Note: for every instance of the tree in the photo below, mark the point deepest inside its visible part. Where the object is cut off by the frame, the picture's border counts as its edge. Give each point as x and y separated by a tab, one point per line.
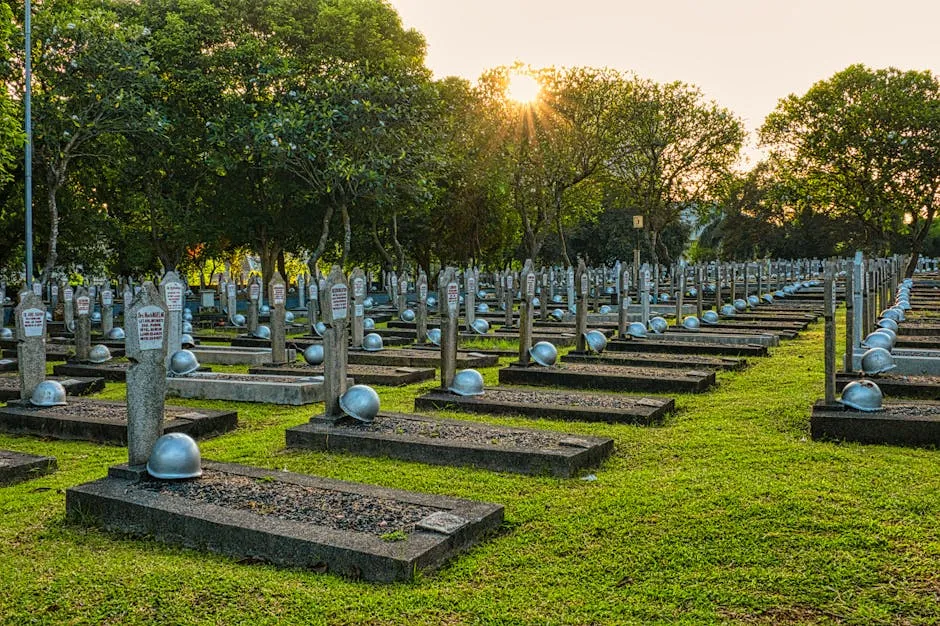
864	146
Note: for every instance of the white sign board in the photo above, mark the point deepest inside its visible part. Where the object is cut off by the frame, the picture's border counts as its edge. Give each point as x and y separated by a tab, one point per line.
359	287
254	291
150	324
173	295
68	293
313	292
359	310
278	294
82	305
34	321
339	301
423	292
530	285
230	290
453	298
585	284
37	288
107	297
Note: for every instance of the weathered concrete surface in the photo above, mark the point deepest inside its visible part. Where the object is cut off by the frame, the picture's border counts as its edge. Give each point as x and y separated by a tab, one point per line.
292	390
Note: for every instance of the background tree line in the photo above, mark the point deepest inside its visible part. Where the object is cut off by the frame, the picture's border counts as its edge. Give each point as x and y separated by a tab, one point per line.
172	133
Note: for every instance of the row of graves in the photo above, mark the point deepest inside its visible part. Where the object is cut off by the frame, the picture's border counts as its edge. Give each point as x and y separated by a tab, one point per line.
622	347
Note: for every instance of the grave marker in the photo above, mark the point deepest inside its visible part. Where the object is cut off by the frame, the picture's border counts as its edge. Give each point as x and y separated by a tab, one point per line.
301	291
644	288
173	289
623	319
334	302
313	303
82	323
358	281
470	313
277	294
231	298
570	288
254	297
107	309
450	297
146	322
30	335
583	288
68	307
510	297
421	316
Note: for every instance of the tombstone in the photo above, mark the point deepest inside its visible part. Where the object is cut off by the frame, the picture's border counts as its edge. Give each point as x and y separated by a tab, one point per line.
82	303
544	298
174	295
449	307
391	287
421	315
301	291
470	300
551	284
68	295
254	298
528	279
334	303
313	304
358	281
680	291
644	289
623	319
510	298
277	295
829	315
583	289
699	289
107	309
231	301
655	283
30	335
145	328
570	288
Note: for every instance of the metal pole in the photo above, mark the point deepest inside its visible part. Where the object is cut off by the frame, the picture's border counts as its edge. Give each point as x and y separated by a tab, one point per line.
28	101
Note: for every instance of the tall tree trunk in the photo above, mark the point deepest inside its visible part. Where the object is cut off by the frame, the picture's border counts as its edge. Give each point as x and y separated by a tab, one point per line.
282	265
52	254
918	241
321	244
561	237
399	250
386	257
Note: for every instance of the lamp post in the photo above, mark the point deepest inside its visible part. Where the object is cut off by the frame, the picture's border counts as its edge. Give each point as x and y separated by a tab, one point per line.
28	104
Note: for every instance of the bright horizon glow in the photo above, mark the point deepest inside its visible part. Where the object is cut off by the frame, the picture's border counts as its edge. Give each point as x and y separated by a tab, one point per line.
743	54
523	88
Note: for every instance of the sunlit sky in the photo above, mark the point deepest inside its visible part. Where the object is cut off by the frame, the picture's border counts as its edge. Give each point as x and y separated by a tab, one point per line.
745	54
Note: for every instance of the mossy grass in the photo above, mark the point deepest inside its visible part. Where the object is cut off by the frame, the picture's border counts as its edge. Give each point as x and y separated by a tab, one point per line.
728	512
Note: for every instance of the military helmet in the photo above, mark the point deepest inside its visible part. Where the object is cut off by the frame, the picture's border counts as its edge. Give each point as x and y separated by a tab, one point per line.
288	317
888	323
263	332
862	395
183	362
48	393
96	317
728	310
360	402
239	320
596	341
480	326
6	333
544	353
691	322
637	329
557	315
319	328
557	299
369	302
434	336
878	340
605	309
175	456
483	307
753	301
313	354
467	383
877	361
264	309
187	327
740	305
99	354
407	315
710	318
658	325
372	342
116	334
368	323
187	341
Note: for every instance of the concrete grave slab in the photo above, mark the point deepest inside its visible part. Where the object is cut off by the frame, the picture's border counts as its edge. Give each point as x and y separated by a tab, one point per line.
361	374
433	529
685	347
410	357
609	377
291	390
16	467
652	359
10	386
112	371
898	423
456	442
105	421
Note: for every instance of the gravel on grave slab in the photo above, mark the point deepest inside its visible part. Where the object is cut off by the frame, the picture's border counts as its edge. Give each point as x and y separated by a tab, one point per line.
561	398
653	357
339	510
10	382
910	409
98	411
473	433
248	378
902	378
317	370
618	370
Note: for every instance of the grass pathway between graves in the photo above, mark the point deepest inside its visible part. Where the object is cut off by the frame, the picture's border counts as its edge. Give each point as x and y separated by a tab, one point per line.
726	513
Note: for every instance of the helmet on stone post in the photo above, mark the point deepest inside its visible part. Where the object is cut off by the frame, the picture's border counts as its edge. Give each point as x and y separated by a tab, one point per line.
544	353
710	318
239	320
360	402
467	383
728	310
407	315
319	328
368	323
48	393
183	362
740	305
187	341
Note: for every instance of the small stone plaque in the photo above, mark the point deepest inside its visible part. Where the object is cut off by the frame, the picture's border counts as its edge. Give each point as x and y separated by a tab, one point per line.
34	321
585	285
359	310
313	292
107	297
403	285
359	287
423	292
37	288
82	305
150	324
278	294
509	281
453	297
339	301
254	291
230	290
68	293
472	283
574	442
530	285
173	293
442	522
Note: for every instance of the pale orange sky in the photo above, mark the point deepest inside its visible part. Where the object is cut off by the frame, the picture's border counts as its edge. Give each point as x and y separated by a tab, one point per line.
746	54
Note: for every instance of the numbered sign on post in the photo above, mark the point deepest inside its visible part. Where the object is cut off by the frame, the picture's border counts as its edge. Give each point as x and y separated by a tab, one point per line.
313	292
339	301
151	323
231	290
585	284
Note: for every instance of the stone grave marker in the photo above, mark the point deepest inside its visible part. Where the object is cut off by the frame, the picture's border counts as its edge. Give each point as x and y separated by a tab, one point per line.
644	289
231	299
623	307
421	315
449	298
391	286
277	294
699	289
544	299
510	293
402	294
174	295
470	299
570	288
254	297
301	291
127	295
313	303
146	323
583	288
680	293
107	309
525	312
82	323
829	315
358	281
334	303
68	306
30	335
551	283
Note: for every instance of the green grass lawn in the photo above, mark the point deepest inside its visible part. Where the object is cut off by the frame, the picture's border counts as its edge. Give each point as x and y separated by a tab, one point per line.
725	513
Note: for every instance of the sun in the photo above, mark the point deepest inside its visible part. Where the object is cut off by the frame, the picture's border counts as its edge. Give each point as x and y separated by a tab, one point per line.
523	88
